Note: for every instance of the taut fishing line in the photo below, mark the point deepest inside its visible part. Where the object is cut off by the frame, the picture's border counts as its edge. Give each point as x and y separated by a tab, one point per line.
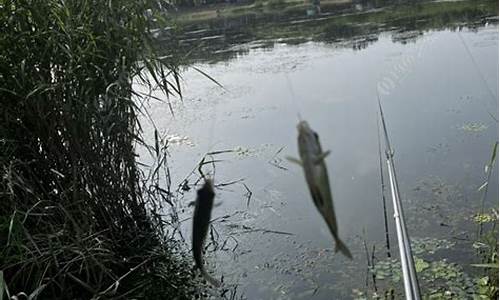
293	98
481	76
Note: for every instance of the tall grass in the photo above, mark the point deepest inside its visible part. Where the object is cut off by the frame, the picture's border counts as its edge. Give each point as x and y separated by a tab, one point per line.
486	243
75	219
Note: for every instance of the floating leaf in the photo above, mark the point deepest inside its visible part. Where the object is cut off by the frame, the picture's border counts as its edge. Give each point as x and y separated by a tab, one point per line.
430	245
484	218
474	127
420	265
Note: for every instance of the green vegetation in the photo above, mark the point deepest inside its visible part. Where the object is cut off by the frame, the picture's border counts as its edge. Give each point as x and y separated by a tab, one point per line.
441	278
78	219
406	17
259	8
391	12
354	29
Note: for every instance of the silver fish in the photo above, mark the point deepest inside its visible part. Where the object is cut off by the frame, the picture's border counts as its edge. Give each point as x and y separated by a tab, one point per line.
201	221
312	161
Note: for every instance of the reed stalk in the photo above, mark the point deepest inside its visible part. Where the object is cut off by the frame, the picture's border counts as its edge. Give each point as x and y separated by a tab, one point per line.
78	218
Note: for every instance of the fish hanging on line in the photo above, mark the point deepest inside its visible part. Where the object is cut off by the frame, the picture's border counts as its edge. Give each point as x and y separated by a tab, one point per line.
201	222
312	160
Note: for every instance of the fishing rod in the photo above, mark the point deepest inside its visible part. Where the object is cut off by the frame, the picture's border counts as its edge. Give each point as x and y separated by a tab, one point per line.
412	289
386	226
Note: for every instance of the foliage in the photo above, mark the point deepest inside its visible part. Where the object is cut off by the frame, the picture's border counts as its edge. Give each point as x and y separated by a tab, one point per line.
275	3
441	279
484	218
78	219
474	127
487	250
388	269
356	30
430	245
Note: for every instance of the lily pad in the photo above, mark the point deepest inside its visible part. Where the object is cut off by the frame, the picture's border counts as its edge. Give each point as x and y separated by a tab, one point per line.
420	265
430	245
474	127
484	218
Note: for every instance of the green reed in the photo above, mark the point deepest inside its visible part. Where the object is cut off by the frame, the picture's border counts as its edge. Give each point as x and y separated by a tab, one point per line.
77	217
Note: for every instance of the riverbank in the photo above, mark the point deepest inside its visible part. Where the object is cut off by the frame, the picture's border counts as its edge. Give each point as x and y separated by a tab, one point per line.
211	12
298	8
79	219
220	37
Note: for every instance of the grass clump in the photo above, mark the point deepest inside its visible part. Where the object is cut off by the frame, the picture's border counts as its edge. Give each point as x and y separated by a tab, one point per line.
276	3
78	219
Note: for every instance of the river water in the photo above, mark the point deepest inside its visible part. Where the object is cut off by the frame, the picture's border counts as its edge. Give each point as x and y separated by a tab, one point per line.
439	91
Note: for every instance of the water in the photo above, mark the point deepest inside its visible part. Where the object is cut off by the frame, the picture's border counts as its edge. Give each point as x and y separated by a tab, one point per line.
440	103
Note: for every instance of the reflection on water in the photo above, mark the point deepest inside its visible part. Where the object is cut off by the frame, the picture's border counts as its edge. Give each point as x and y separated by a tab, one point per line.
271	243
223	38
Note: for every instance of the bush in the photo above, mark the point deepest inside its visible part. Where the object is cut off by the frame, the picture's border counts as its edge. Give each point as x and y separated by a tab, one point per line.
75	220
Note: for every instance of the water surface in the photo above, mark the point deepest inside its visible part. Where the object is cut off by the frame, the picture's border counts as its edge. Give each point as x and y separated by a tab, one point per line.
439	90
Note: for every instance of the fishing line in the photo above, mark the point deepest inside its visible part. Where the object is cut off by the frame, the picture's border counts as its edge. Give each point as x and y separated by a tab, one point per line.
293	98
213	120
481	76
214	117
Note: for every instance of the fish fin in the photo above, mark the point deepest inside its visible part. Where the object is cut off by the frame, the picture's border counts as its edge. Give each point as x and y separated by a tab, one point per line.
321	157
294	160
340	246
210	279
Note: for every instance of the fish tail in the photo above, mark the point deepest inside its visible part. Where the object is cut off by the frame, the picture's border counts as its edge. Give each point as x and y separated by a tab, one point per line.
209	278
340	246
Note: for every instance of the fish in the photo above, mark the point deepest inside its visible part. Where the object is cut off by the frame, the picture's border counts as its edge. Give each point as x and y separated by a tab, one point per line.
201	221
312	160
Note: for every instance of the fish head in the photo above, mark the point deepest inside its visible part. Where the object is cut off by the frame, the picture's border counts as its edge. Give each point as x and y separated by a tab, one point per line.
207	191
303	125
308	138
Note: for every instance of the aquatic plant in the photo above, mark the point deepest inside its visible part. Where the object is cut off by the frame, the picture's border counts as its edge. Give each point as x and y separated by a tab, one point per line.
439	279
78	218
484	187
487	250
484	218
430	245
473	127
442	279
